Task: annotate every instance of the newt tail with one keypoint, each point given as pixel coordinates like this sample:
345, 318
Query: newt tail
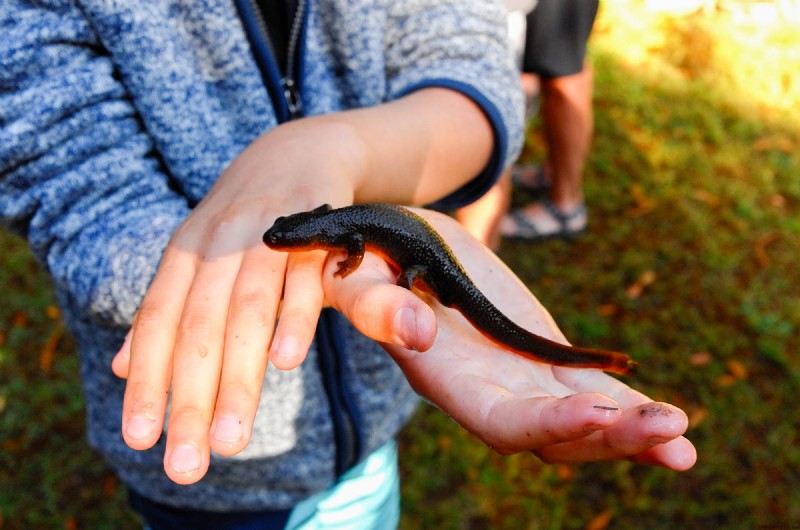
425, 260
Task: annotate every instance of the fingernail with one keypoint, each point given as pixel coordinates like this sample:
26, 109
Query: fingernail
228, 429
658, 440
138, 427
405, 327
185, 458
286, 348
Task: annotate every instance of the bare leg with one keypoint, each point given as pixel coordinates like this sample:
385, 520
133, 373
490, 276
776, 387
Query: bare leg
569, 125
482, 217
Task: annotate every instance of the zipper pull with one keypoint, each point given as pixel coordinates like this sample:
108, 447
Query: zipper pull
292, 96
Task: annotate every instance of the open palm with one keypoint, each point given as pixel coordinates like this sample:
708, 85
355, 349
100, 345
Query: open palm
511, 403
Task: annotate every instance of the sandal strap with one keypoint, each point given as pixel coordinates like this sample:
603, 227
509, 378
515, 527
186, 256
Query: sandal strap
528, 229
561, 216
524, 225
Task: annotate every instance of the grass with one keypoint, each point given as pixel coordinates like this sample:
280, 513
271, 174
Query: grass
690, 266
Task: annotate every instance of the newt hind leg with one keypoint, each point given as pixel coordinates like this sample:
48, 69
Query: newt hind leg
418, 280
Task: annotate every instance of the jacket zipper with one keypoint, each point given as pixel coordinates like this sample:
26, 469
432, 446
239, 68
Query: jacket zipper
347, 428
284, 90
291, 90
286, 100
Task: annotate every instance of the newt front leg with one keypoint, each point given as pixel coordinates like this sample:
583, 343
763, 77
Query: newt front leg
353, 244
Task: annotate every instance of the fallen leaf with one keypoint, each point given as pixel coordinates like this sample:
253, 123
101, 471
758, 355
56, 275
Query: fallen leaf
20, 319
52, 312
13, 444
642, 203
777, 200
565, 472
110, 486
49, 349
635, 290
725, 380
760, 249
775, 142
701, 358
606, 310
696, 416
601, 520
737, 369
707, 197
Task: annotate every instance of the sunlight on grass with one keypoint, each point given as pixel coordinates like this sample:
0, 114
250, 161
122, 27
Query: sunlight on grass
753, 63
693, 189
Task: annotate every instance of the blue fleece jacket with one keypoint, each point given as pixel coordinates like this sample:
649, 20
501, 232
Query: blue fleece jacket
116, 118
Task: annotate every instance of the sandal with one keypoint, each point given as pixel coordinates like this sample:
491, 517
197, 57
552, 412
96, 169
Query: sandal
540, 181
547, 223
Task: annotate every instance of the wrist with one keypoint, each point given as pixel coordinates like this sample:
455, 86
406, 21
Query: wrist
311, 161
339, 147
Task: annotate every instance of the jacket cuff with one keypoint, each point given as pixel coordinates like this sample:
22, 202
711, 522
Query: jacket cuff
501, 150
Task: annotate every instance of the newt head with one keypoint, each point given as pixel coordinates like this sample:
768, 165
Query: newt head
299, 231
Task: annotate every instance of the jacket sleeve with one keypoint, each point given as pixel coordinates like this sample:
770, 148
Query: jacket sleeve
462, 45
78, 177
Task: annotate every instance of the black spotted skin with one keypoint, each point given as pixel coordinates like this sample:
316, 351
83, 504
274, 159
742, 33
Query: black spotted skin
419, 254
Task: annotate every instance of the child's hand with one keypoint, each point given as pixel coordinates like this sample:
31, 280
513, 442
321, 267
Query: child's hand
209, 316
208, 319
511, 403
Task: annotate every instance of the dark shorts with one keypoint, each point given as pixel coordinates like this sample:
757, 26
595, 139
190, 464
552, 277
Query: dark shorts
556, 36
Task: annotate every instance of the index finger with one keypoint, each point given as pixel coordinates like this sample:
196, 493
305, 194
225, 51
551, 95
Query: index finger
379, 308
648, 434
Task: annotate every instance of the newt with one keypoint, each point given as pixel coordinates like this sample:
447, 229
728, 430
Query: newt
413, 248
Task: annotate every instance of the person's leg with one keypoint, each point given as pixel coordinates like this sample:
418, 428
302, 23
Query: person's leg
558, 31
482, 217
366, 498
569, 125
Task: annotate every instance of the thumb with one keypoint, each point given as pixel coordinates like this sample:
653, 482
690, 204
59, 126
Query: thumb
377, 307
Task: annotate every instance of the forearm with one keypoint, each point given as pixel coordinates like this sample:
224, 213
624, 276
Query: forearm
419, 148
77, 176
414, 150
